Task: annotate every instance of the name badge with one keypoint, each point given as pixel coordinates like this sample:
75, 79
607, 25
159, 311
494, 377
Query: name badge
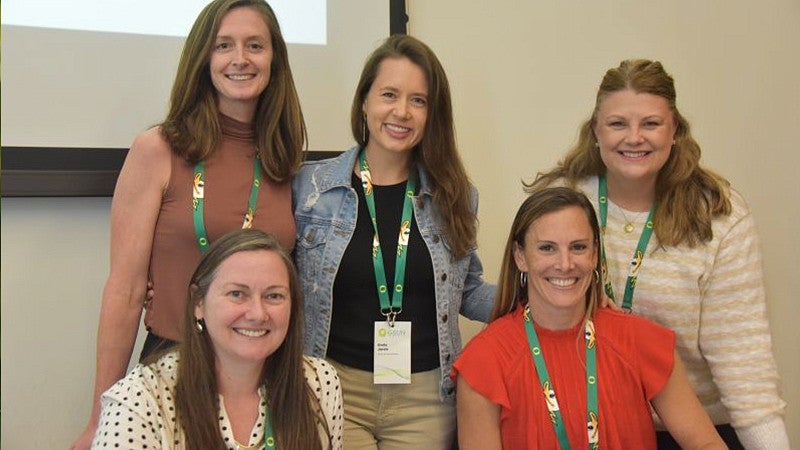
392, 353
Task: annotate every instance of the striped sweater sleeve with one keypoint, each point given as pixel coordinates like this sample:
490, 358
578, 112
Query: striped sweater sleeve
734, 334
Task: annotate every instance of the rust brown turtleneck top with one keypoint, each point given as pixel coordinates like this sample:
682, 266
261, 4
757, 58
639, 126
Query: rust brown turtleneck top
228, 179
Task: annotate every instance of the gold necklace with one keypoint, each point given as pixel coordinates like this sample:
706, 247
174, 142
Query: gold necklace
629, 227
255, 446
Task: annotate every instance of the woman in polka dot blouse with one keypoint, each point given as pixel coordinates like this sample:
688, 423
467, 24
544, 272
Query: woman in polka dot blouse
238, 380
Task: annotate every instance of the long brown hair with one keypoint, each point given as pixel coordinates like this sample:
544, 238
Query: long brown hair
436, 152
689, 195
292, 405
510, 290
192, 125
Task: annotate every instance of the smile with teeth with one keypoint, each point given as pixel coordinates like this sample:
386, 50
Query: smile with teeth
251, 333
396, 129
562, 282
240, 77
634, 154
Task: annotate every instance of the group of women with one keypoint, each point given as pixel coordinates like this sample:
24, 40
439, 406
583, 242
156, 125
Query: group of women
248, 352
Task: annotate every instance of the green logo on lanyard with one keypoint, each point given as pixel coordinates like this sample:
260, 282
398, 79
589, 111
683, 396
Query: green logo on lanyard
638, 255
198, 202
389, 307
548, 388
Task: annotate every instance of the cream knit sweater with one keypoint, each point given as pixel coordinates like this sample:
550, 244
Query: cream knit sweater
713, 297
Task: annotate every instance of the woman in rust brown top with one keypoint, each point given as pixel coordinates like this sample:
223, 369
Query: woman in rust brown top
221, 160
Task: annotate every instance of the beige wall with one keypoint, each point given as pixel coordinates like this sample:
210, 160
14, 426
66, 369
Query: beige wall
524, 75
54, 263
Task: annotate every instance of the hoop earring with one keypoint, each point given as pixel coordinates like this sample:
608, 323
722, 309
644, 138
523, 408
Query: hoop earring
199, 325
523, 280
596, 276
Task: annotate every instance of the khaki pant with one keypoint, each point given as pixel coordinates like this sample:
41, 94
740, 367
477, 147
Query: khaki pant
395, 416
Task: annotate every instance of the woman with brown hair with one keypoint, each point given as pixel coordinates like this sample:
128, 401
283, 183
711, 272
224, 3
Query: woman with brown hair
238, 379
679, 246
386, 237
221, 160
552, 370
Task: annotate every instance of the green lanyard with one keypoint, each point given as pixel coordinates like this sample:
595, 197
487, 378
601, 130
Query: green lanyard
638, 255
269, 435
198, 202
389, 307
549, 389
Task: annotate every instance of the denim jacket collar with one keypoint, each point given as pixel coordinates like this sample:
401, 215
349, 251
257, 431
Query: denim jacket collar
339, 174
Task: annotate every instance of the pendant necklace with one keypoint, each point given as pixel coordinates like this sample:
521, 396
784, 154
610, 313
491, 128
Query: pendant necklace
629, 223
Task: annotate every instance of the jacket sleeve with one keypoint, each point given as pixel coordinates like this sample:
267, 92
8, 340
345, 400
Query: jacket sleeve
478, 297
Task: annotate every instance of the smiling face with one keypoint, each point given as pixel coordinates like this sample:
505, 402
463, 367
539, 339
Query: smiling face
559, 256
247, 308
635, 132
240, 62
396, 107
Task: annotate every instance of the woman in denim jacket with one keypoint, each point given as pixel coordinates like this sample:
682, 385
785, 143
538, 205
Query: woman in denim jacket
403, 188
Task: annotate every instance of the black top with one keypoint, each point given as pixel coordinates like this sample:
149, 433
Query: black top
355, 296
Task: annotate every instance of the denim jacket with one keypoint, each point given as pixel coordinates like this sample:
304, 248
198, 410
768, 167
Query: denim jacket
325, 208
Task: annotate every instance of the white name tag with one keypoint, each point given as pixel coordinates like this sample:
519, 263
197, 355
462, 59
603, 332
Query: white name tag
392, 353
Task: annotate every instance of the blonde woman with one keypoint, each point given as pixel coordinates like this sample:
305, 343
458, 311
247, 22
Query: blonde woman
679, 247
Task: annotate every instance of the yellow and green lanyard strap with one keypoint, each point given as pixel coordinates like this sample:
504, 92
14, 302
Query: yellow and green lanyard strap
390, 308
269, 435
198, 202
638, 255
548, 388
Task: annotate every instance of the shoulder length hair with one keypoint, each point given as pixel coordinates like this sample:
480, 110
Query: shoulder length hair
192, 126
436, 152
293, 407
510, 290
689, 196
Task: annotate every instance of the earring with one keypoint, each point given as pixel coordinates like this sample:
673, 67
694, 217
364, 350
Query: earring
199, 325
596, 276
364, 128
523, 279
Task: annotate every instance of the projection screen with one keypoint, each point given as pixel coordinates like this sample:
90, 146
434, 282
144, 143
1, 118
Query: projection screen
73, 99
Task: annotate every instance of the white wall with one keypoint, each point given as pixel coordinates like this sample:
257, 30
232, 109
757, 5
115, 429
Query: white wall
524, 76
54, 264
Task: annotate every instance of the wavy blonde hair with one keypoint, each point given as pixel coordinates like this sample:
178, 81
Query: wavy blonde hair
689, 196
